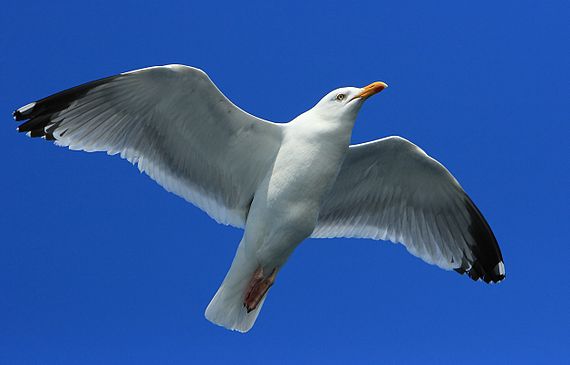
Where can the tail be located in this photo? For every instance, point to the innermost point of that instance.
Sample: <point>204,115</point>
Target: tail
<point>226,308</point>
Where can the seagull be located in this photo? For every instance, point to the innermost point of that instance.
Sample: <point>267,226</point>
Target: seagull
<point>280,182</point>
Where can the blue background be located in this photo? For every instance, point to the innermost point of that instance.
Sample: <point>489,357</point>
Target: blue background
<point>99,265</point>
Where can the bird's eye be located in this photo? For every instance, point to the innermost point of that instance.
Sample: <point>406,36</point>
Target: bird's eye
<point>340,97</point>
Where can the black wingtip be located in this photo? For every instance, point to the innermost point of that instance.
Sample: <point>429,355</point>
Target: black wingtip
<point>41,114</point>
<point>488,264</point>
<point>476,272</point>
<point>17,115</point>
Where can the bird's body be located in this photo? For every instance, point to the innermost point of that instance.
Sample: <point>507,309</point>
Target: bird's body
<point>282,183</point>
<point>304,172</point>
<point>285,207</point>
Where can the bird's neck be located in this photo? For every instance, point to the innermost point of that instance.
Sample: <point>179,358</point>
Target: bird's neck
<point>317,130</point>
<point>318,123</point>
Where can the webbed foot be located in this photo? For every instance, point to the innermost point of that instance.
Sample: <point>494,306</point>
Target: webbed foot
<point>257,288</point>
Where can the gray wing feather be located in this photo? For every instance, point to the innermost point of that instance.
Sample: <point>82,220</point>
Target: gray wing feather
<point>175,124</point>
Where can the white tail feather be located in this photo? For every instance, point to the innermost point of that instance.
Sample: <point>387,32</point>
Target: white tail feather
<point>226,308</point>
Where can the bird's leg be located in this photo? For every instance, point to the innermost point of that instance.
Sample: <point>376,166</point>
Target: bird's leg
<point>257,288</point>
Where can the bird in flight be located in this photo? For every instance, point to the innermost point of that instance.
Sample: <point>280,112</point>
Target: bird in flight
<point>280,182</point>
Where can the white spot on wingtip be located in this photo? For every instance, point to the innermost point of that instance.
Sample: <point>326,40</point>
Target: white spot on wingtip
<point>27,107</point>
<point>501,268</point>
<point>29,134</point>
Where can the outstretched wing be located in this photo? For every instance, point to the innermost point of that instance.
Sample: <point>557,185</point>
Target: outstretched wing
<point>175,124</point>
<point>390,189</point>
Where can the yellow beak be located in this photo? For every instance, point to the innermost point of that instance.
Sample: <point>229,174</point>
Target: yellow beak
<point>373,88</point>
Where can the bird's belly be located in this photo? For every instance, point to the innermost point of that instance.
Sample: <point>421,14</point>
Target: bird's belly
<point>275,228</point>
<point>303,175</point>
<point>286,206</point>
<point>298,186</point>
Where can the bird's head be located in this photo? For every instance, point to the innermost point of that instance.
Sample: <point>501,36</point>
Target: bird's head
<point>344,103</point>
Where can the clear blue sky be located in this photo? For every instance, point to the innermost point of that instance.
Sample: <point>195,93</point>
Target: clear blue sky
<point>99,265</point>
